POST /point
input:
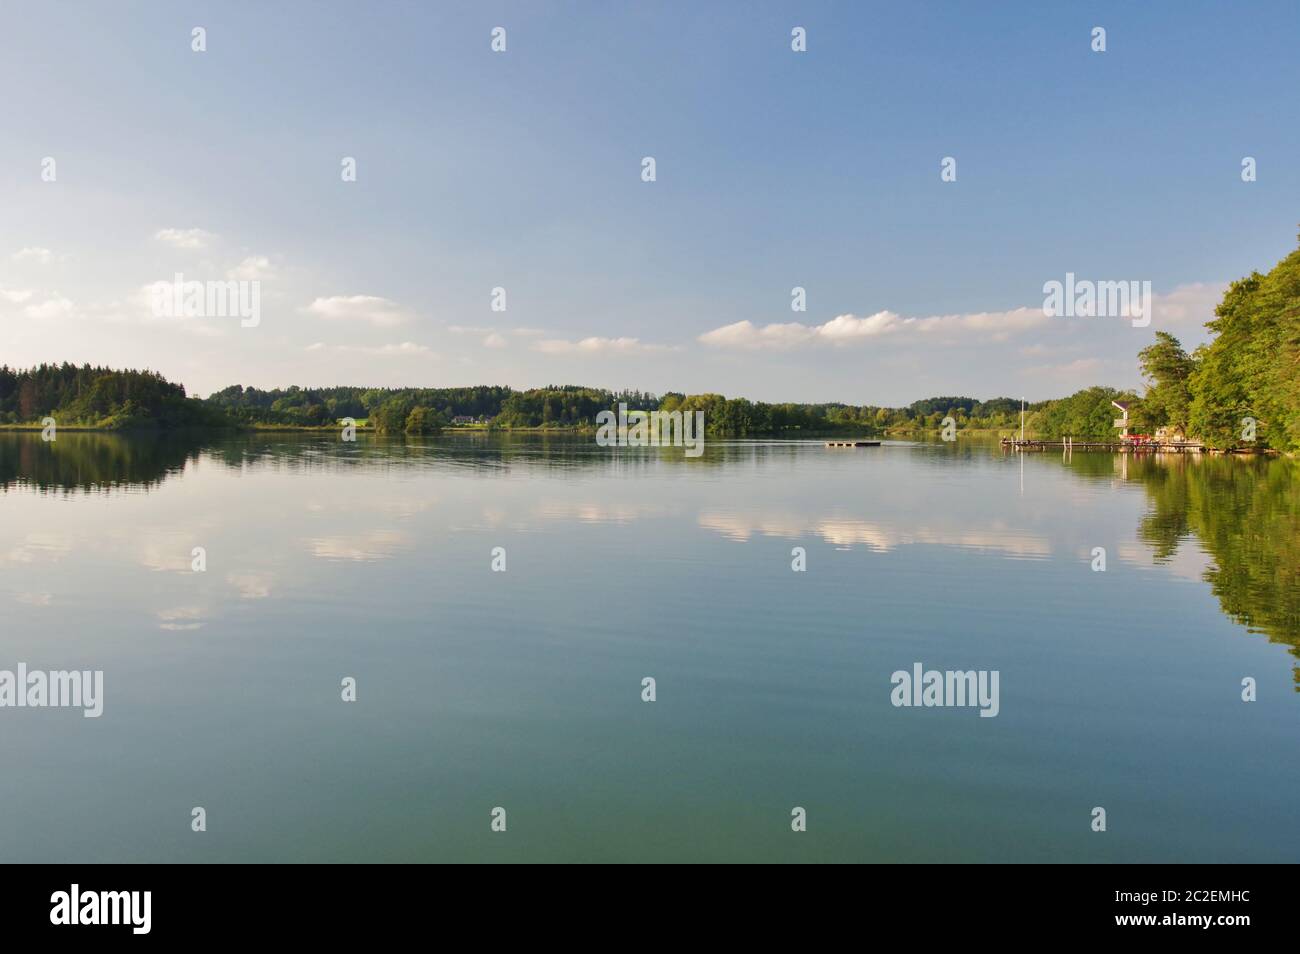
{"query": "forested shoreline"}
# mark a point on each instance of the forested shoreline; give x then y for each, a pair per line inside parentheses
(102, 398)
(1242, 388)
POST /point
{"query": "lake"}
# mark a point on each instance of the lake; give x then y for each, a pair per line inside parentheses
(522, 689)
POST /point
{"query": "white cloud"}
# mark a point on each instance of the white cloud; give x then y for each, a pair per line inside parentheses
(492, 337)
(1191, 304)
(55, 307)
(598, 345)
(17, 296)
(1186, 305)
(850, 329)
(1037, 351)
(1075, 367)
(406, 347)
(784, 335)
(35, 255)
(184, 238)
(253, 268)
(990, 325)
(378, 311)
(745, 334)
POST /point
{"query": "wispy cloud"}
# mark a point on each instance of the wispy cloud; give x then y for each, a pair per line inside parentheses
(1188, 305)
(495, 337)
(184, 238)
(1066, 369)
(597, 345)
(406, 347)
(253, 268)
(55, 306)
(33, 255)
(850, 329)
(382, 312)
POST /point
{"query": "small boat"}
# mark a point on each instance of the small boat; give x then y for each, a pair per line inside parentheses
(853, 443)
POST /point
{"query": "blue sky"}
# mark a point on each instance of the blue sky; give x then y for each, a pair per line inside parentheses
(522, 170)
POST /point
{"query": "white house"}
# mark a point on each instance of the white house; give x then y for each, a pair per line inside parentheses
(1122, 422)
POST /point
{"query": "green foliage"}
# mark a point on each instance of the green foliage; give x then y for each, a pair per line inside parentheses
(1084, 415)
(390, 416)
(1252, 367)
(100, 397)
(1167, 369)
(565, 406)
(298, 407)
(423, 420)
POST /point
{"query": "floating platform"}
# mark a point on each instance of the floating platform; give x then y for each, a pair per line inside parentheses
(853, 443)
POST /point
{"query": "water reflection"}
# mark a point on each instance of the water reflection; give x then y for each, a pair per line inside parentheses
(878, 537)
(92, 462)
(1243, 513)
(99, 462)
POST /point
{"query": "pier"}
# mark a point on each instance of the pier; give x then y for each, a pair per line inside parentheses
(1123, 447)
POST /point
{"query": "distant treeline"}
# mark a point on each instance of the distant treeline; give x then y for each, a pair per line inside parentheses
(426, 410)
(102, 397)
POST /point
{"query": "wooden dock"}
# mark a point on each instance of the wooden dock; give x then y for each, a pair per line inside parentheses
(853, 443)
(1119, 447)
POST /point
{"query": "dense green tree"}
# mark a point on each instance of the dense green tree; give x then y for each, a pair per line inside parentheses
(423, 420)
(1252, 367)
(390, 417)
(1167, 369)
(100, 397)
(1084, 415)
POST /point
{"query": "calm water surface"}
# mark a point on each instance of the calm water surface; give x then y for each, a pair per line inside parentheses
(522, 689)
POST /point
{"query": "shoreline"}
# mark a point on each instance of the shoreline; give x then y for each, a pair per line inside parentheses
(895, 433)
(331, 428)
